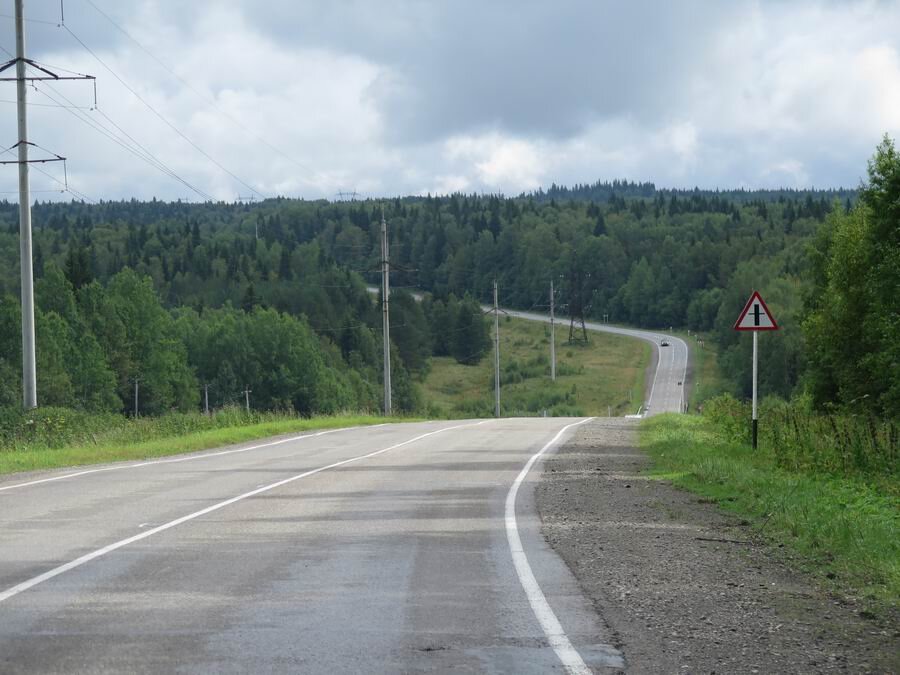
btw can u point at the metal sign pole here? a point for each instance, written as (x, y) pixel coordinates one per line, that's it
(755, 317)
(755, 421)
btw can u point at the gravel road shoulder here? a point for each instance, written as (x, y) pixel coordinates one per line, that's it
(683, 587)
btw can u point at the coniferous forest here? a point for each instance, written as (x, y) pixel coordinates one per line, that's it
(271, 297)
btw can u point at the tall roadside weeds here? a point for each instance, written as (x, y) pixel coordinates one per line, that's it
(48, 438)
(793, 438)
(824, 487)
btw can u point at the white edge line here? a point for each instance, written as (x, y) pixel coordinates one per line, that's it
(655, 374)
(568, 655)
(78, 562)
(199, 455)
(687, 357)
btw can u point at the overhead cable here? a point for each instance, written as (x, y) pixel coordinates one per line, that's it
(160, 116)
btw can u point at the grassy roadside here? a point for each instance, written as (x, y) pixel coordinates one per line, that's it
(844, 531)
(166, 441)
(606, 375)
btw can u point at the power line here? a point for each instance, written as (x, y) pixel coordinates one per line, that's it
(160, 116)
(41, 21)
(162, 166)
(48, 105)
(66, 187)
(149, 158)
(138, 151)
(201, 95)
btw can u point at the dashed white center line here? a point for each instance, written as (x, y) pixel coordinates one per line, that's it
(93, 555)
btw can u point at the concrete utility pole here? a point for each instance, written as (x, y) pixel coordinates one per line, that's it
(496, 353)
(247, 398)
(386, 320)
(136, 381)
(206, 398)
(552, 335)
(29, 369)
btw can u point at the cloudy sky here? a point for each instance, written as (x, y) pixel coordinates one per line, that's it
(308, 98)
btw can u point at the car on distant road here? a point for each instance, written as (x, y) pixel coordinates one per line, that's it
(664, 343)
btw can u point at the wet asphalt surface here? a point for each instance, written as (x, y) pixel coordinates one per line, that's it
(397, 562)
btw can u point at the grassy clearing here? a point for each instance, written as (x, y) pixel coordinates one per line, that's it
(844, 530)
(126, 439)
(605, 375)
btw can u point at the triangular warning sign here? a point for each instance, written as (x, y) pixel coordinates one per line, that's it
(756, 316)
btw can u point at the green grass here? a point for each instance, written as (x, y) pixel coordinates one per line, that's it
(843, 530)
(796, 438)
(605, 375)
(162, 436)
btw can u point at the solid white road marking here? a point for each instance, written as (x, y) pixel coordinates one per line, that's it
(78, 562)
(687, 355)
(655, 376)
(181, 459)
(568, 655)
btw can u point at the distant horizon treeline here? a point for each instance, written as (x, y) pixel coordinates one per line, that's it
(605, 191)
(641, 256)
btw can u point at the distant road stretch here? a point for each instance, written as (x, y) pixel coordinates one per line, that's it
(666, 392)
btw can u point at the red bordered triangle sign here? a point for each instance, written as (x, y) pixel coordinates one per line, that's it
(756, 316)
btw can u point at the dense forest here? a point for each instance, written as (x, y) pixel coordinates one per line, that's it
(272, 297)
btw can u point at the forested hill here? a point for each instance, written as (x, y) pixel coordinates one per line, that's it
(607, 191)
(686, 259)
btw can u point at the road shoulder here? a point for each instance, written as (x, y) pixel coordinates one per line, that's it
(682, 586)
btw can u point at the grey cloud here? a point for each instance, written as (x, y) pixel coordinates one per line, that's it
(681, 93)
(534, 68)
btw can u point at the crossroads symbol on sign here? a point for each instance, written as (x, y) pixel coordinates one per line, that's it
(755, 315)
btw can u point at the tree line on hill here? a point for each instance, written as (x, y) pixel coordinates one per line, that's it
(238, 293)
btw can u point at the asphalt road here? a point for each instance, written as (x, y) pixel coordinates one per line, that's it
(399, 548)
(666, 392)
